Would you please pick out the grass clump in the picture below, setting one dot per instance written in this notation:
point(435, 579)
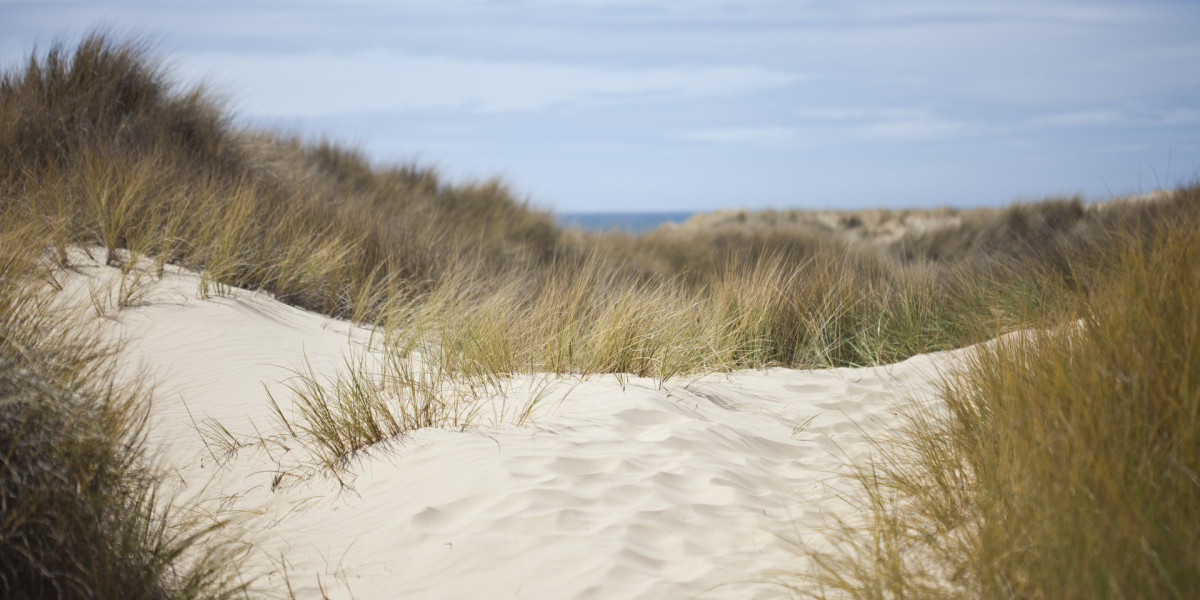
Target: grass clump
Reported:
point(80, 515)
point(377, 398)
point(1068, 464)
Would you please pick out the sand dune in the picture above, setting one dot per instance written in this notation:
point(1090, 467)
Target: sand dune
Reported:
point(614, 488)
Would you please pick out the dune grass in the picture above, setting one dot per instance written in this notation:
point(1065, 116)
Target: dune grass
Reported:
point(98, 148)
point(374, 399)
point(1066, 464)
point(81, 514)
point(101, 148)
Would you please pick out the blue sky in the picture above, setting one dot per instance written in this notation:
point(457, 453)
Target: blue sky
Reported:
point(662, 105)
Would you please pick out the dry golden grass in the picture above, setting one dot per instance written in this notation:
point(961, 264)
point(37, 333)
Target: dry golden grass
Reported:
point(1067, 466)
point(100, 149)
point(80, 515)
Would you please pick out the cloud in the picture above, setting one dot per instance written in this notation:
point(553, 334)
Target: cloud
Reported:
point(918, 127)
point(1182, 116)
point(1017, 11)
point(312, 84)
point(1112, 117)
point(1132, 147)
point(860, 113)
point(741, 135)
point(1081, 117)
point(908, 124)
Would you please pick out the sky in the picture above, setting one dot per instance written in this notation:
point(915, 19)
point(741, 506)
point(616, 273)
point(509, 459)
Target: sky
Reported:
point(694, 105)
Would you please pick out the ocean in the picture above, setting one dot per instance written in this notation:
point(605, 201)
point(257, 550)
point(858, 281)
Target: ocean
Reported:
point(632, 222)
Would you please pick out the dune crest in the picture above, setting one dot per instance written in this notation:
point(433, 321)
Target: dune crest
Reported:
point(614, 487)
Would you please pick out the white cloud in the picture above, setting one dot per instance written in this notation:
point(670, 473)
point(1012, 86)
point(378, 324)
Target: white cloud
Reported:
point(861, 113)
point(914, 124)
point(1135, 118)
point(1027, 10)
point(739, 135)
point(1182, 116)
point(309, 84)
point(917, 127)
point(1133, 147)
point(1081, 117)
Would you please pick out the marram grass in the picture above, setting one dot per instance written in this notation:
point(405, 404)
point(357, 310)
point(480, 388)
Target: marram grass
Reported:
point(1068, 464)
point(80, 511)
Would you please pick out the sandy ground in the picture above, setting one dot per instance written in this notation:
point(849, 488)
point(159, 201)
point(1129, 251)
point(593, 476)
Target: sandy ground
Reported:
point(613, 489)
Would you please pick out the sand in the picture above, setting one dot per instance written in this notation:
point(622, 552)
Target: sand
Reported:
point(613, 488)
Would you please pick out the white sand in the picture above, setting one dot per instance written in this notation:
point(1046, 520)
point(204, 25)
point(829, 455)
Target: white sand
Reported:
point(695, 489)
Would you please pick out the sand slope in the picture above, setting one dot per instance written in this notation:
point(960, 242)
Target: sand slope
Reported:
point(614, 489)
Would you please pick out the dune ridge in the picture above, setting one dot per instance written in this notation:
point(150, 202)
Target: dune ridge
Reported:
point(614, 487)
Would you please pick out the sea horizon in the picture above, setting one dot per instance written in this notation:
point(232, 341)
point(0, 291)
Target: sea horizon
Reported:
point(631, 222)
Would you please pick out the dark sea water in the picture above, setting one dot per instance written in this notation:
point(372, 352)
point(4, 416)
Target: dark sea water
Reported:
point(633, 222)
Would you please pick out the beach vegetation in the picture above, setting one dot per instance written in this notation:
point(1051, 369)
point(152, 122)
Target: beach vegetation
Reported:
point(1064, 461)
point(468, 285)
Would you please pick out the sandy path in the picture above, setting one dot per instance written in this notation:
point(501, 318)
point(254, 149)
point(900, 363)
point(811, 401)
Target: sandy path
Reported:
point(695, 489)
